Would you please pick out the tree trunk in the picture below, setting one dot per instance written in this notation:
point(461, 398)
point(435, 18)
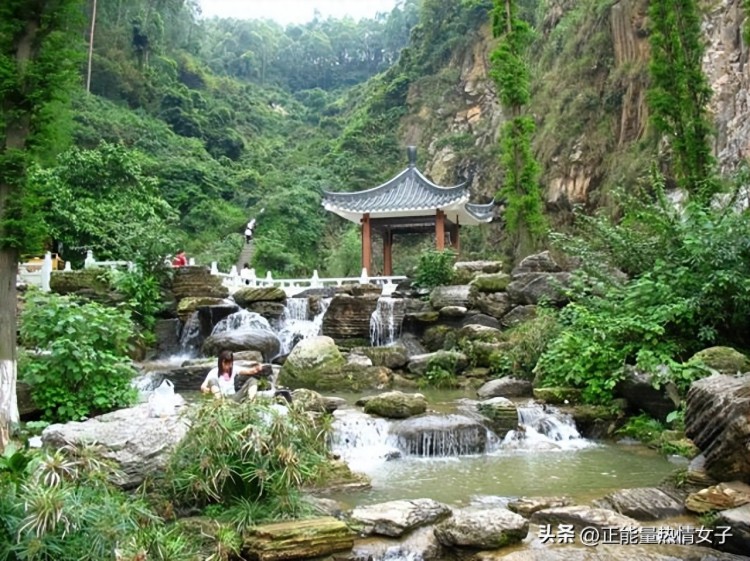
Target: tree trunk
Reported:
point(17, 131)
point(8, 363)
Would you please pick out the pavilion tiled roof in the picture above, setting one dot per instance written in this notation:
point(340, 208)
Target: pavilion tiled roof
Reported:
point(409, 193)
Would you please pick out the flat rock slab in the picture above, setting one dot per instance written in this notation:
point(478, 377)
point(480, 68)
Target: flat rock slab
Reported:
point(526, 506)
point(613, 553)
point(485, 528)
point(580, 516)
point(644, 503)
point(138, 443)
point(297, 539)
point(395, 518)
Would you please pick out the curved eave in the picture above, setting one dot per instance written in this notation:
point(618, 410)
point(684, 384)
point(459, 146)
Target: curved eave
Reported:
point(459, 212)
point(393, 183)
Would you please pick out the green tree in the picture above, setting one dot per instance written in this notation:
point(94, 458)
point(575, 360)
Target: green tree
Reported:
point(680, 92)
point(525, 224)
point(38, 62)
point(101, 200)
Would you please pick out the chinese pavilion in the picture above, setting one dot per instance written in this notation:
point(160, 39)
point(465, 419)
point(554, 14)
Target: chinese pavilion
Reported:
point(408, 203)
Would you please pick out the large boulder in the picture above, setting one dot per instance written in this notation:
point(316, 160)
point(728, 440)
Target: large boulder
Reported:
point(440, 435)
point(261, 340)
point(396, 405)
point(644, 503)
point(533, 288)
point(495, 304)
point(642, 394)
point(197, 281)
point(393, 356)
point(518, 315)
point(297, 539)
point(738, 520)
point(497, 282)
point(442, 296)
point(717, 419)
point(315, 363)
point(725, 360)
point(249, 295)
point(487, 528)
point(537, 263)
point(453, 360)
point(136, 442)
point(348, 317)
point(507, 386)
point(501, 415)
point(190, 304)
point(396, 518)
point(581, 516)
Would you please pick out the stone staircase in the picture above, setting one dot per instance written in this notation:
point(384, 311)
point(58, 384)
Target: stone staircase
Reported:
point(246, 255)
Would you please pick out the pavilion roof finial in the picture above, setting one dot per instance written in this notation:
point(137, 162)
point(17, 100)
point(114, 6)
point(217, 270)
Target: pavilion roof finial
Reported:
point(411, 151)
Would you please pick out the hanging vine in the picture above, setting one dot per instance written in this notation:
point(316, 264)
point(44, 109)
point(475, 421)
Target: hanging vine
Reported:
point(524, 221)
point(680, 92)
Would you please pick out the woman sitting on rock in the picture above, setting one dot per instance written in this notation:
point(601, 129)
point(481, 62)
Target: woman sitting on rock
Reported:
point(220, 380)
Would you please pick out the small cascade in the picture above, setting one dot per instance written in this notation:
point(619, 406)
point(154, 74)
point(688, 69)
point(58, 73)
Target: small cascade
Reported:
point(385, 321)
point(241, 320)
point(190, 338)
point(295, 324)
point(543, 427)
point(442, 436)
point(360, 439)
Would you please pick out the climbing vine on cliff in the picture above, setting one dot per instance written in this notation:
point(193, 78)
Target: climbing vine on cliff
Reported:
point(520, 192)
point(679, 93)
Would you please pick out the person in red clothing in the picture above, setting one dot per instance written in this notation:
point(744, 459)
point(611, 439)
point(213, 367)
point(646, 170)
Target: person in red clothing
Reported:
point(180, 260)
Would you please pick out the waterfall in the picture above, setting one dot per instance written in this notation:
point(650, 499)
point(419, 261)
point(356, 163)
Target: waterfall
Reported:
point(442, 436)
point(385, 321)
point(241, 320)
point(295, 324)
point(360, 439)
point(191, 336)
point(543, 427)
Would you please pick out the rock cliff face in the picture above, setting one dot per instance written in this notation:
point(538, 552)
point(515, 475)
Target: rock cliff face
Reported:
point(589, 98)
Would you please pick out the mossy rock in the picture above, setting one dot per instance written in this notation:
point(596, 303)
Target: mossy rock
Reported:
point(440, 337)
point(396, 405)
point(496, 282)
point(69, 282)
point(335, 475)
point(724, 359)
point(557, 395)
point(246, 296)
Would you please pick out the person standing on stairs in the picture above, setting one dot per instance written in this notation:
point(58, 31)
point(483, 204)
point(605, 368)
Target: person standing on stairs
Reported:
point(249, 231)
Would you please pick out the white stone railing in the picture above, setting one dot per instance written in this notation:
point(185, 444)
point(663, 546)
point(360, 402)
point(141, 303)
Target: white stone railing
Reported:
point(234, 280)
point(36, 273)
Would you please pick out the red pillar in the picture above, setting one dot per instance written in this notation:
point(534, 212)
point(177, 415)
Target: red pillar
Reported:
point(387, 252)
point(456, 237)
point(366, 243)
point(440, 230)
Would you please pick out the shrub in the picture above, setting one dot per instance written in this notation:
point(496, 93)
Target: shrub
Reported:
point(80, 366)
point(435, 268)
point(642, 427)
point(526, 343)
point(440, 372)
point(63, 509)
point(143, 291)
point(249, 458)
point(689, 289)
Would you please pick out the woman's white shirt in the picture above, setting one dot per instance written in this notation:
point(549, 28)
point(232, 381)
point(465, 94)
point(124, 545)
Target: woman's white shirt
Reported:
point(226, 386)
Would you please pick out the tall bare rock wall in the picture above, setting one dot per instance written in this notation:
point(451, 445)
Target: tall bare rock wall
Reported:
point(589, 102)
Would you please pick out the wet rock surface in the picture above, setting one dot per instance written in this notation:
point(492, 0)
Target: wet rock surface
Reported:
point(717, 419)
point(395, 518)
